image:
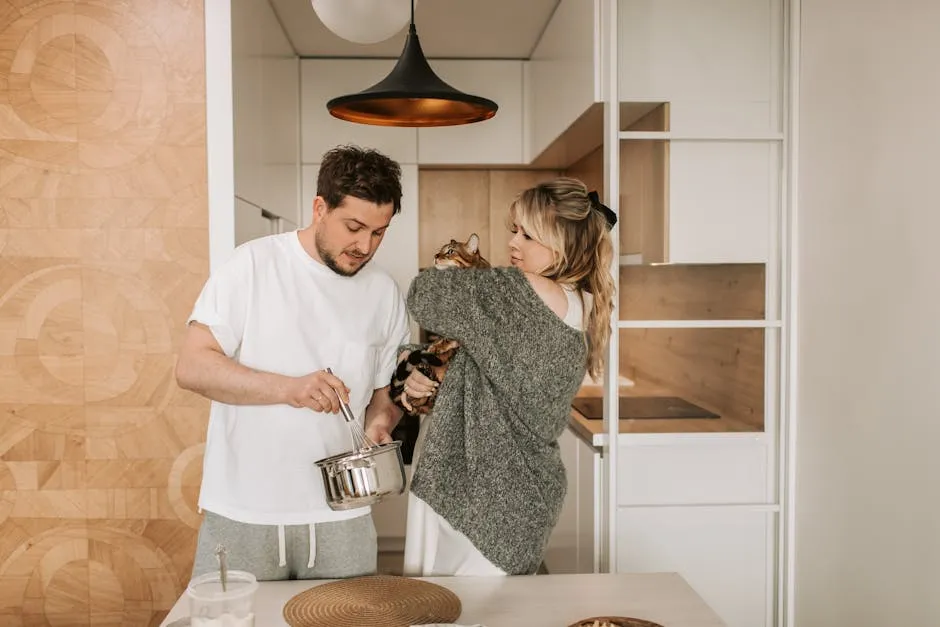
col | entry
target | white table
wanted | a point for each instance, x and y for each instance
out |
(539, 600)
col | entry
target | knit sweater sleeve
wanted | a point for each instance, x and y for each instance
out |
(503, 326)
(462, 304)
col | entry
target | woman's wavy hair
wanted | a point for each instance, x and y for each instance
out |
(561, 215)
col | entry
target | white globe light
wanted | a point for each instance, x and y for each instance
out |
(364, 21)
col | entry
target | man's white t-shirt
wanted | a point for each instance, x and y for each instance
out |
(276, 309)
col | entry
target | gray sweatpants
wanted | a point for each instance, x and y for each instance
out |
(347, 548)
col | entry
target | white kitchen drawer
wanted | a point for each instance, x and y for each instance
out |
(687, 470)
(724, 553)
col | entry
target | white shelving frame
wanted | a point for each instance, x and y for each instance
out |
(779, 343)
(610, 34)
(789, 296)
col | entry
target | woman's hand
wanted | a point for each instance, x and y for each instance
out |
(408, 384)
(418, 386)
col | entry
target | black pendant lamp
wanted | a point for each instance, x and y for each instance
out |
(412, 95)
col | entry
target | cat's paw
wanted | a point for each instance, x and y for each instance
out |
(425, 358)
(420, 405)
(402, 371)
(401, 401)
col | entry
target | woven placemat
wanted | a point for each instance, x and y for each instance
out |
(613, 621)
(377, 601)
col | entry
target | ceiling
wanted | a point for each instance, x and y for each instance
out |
(482, 29)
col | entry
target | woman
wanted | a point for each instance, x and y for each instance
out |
(489, 482)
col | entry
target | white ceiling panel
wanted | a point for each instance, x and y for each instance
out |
(485, 29)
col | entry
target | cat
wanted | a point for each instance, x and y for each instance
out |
(432, 362)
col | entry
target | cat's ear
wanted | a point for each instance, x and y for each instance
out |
(473, 243)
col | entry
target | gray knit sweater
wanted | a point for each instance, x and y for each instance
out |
(491, 464)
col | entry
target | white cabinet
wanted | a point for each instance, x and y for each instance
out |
(572, 547)
(560, 76)
(324, 79)
(723, 553)
(494, 141)
(247, 106)
(280, 142)
(686, 469)
(723, 197)
(590, 478)
(308, 191)
(561, 555)
(700, 505)
(716, 61)
(251, 223)
(265, 84)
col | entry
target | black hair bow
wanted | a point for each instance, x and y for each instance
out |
(609, 215)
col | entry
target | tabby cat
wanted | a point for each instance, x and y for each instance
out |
(432, 361)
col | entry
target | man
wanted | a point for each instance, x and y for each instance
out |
(265, 328)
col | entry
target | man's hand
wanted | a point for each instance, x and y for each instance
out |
(379, 433)
(382, 417)
(319, 391)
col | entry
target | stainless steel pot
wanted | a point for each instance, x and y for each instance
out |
(361, 478)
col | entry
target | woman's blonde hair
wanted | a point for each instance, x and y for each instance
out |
(560, 215)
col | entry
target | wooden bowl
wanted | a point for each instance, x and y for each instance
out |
(613, 621)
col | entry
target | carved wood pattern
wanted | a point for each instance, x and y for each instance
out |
(103, 249)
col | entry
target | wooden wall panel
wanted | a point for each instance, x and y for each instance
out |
(103, 249)
(692, 292)
(719, 369)
(452, 204)
(644, 188)
(455, 203)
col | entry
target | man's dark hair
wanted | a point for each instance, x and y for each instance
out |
(362, 173)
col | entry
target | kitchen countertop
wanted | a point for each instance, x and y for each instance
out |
(594, 432)
(524, 601)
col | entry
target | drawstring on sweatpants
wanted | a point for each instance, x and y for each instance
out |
(313, 546)
(282, 548)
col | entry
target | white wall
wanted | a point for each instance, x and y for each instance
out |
(868, 472)
(219, 132)
(265, 96)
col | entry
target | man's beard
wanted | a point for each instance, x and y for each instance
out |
(329, 260)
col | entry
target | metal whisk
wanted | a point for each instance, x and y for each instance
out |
(360, 441)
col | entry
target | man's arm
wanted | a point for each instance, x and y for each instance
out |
(382, 416)
(204, 368)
